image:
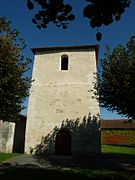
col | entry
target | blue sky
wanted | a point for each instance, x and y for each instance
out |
(78, 33)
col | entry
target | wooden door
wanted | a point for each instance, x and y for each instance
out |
(63, 143)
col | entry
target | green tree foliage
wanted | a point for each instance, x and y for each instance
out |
(98, 12)
(55, 11)
(14, 85)
(115, 85)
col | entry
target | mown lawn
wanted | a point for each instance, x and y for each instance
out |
(53, 174)
(118, 149)
(30, 173)
(5, 156)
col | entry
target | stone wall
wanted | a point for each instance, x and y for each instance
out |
(59, 95)
(85, 138)
(6, 136)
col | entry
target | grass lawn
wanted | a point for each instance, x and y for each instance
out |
(5, 156)
(116, 149)
(53, 174)
(27, 172)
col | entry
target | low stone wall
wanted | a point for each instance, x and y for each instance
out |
(6, 136)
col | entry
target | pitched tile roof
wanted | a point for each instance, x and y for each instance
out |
(117, 124)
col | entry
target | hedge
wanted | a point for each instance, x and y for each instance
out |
(120, 137)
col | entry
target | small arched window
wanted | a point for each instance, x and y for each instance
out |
(64, 62)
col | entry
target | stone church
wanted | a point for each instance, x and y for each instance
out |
(61, 112)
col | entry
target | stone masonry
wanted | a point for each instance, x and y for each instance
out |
(6, 136)
(61, 96)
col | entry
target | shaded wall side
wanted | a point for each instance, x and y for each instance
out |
(19, 136)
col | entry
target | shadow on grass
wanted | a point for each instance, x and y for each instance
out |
(63, 167)
(47, 174)
(122, 145)
(80, 162)
(117, 155)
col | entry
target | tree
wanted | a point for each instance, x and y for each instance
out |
(99, 12)
(115, 85)
(14, 85)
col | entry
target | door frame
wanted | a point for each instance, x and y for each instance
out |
(57, 146)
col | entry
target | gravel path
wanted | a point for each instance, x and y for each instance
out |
(70, 162)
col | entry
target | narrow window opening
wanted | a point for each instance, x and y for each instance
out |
(64, 63)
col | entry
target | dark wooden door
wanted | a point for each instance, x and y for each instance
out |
(63, 143)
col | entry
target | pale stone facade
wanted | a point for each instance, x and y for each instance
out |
(12, 135)
(62, 95)
(6, 136)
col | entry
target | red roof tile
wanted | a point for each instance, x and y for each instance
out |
(117, 124)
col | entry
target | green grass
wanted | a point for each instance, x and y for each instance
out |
(27, 172)
(116, 149)
(106, 149)
(47, 174)
(6, 156)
